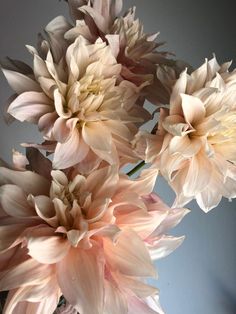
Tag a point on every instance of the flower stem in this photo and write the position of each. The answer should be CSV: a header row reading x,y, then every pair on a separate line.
x,y
136,168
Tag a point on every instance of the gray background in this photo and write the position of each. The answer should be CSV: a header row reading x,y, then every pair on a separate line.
x,y
200,277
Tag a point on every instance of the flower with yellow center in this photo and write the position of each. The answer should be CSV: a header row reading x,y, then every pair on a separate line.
x,y
195,144
66,234
80,104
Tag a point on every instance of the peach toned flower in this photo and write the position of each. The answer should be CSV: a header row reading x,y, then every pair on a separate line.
x,y
72,234
135,50
80,105
195,144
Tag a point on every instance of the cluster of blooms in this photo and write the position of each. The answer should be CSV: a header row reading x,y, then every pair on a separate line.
x,y
76,225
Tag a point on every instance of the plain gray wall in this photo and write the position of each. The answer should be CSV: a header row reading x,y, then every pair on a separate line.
x,y
200,277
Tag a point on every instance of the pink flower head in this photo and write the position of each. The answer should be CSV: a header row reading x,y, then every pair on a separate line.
x,y
80,104
195,143
65,233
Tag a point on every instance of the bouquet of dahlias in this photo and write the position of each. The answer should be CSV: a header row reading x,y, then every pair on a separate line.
x,y
78,231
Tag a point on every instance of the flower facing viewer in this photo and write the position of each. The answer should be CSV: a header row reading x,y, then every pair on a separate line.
x,y
63,233
79,104
195,143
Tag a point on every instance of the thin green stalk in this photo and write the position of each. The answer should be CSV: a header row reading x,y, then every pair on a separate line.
x,y
136,168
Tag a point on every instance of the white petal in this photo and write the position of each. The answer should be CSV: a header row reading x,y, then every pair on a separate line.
x,y
30,106
163,246
21,83
193,109
71,152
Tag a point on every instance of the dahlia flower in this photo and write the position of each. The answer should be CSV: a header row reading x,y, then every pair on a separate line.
x,y
195,143
80,105
135,50
80,236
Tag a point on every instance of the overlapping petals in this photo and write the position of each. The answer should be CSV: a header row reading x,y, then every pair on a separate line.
x,y
79,103
194,146
68,235
135,50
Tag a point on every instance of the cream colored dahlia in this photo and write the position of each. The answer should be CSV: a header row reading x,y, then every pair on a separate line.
x,y
62,233
80,104
195,143
134,49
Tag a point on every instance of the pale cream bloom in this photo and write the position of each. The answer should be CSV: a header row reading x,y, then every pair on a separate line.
x,y
133,48
80,236
195,143
81,106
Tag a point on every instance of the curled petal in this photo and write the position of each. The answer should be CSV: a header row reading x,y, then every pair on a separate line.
x,y
164,246
14,201
71,152
30,106
30,182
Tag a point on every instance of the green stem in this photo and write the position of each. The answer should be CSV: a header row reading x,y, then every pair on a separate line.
x,y
136,168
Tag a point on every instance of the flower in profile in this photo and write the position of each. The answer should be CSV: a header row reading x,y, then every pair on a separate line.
x,y
195,143
63,233
79,103
134,49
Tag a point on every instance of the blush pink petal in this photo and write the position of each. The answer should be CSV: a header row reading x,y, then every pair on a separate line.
x,y
175,100
39,298
142,222
128,251
77,148
48,305
80,276
11,229
45,209
46,122
197,177
175,125
139,288
138,306
30,182
163,246
63,128
173,218
97,140
143,185
193,109
108,176
48,250
20,83
30,106
26,273
14,201
115,301
185,146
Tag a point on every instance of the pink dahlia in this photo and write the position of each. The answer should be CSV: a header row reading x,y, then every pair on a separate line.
x,y
79,103
195,143
80,236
